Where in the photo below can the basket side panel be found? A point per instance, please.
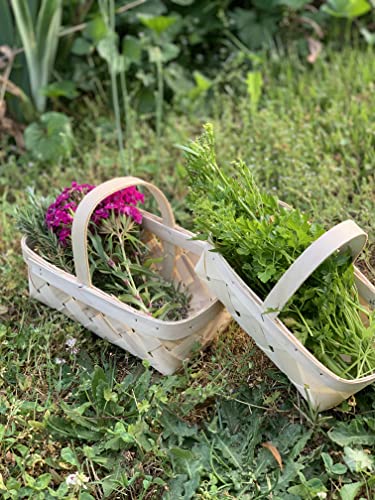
(314, 382)
(166, 356)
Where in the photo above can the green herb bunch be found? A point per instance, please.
(260, 239)
(120, 262)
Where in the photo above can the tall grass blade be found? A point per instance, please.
(40, 46)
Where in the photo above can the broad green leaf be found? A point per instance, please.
(328, 462)
(155, 55)
(96, 29)
(352, 433)
(109, 395)
(181, 453)
(84, 495)
(266, 275)
(132, 49)
(255, 32)
(158, 24)
(346, 8)
(43, 481)
(108, 50)
(350, 491)
(68, 455)
(358, 460)
(108, 486)
(169, 51)
(22, 449)
(177, 79)
(51, 138)
(12, 484)
(82, 47)
(202, 82)
(175, 427)
(339, 469)
(309, 489)
(64, 88)
(332, 468)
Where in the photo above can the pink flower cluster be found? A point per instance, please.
(59, 215)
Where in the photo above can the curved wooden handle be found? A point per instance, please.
(86, 208)
(344, 236)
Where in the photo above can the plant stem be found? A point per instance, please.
(128, 122)
(116, 108)
(159, 108)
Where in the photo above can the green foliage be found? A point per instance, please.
(261, 239)
(64, 88)
(311, 144)
(193, 37)
(51, 138)
(254, 87)
(347, 8)
(39, 43)
(358, 432)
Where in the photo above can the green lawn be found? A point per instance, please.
(215, 429)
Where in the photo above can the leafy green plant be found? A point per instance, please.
(260, 239)
(108, 49)
(39, 43)
(51, 138)
(311, 144)
(349, 9)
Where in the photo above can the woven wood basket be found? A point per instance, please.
(317, 384)
(165, 344)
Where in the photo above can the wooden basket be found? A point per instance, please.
(319, 385)
(165, 344)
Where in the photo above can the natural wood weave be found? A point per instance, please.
(316, 383)
(165, 344)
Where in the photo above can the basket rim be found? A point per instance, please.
(32, 255)
(289, 334)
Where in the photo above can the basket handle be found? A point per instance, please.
(344, 236)
(87, 206)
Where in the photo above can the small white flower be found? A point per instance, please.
(60, 361)
(321, 494)
(77, 479)
(71, 342)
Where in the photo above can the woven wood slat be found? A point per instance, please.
(316, 383)
(165, 344)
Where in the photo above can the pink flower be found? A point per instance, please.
(59, 215)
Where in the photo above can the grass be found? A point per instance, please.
(215, 429)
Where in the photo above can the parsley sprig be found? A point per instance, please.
(260, 239)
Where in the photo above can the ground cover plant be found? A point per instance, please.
(80, 418)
